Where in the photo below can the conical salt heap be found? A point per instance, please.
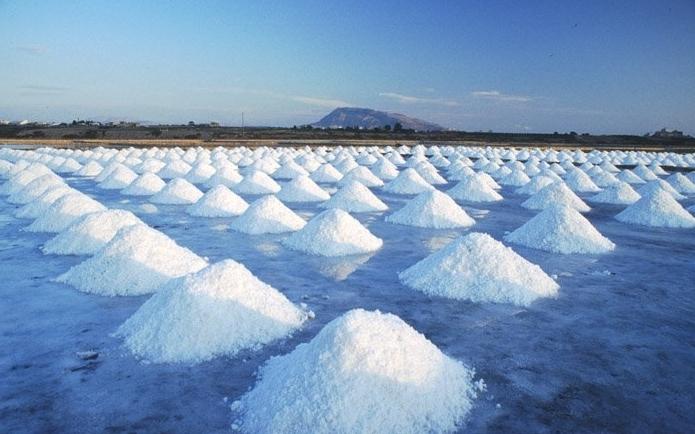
(64, 212)
(516, 178)
(474, 189)
(257, 182)
(363, 175)
(658, 209)
(119, 178)
(219, 310)
(36, 188)
(408, 181)
(267, 215)
(137, 260)
(20, 180)
(478, 268)
(659, 184)
(178, 191)
(432, 209)
(365, 372)
(146, 184)
(326, 173)
(580, 182)
(333, 232)
(90, 233)
(561, 229)
(226, 175)
(681, 183)
(535, 185)
(355, 197)
(629, 176)
(38, 206)
(90, 170)
(174, 169)
(219, 201)
(555, 193)
(618, 194)
(644, 172)
(302, 189)
(290, 170)
(384, 169)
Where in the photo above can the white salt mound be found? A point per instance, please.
(38, 206)
(219, 201)
(681, 183)
(618, 194)
(302, 189)
(659, 184)
(474, 188)
(64, 212)
(355, 197)
(535, 185)
(137, 260)
(333, 232)
(431, 209)
(364, 176)
(580, 182)
(90, 169)
(257, 182)
(220, 310)
(118, 179)
(267, 215)
(657, 209)
(553, 194)
(35, 188)
(561, 229)
(408, 181)
(478, 268)
(146, 184)
(365, 372)
(326, 173)
(177, 192)
(90, 233)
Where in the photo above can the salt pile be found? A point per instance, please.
(146, 184)
(174, 169)
(38, 206)
(333, 232)
(408, 181)
(118, 179)
(657, 209)
(220, 310)
(23, 178)
(90, 169)
(90, 233)
(535, 185)
(474, 189)
(36, 188)
(432, 209)
(618, 194)
(681, 183)
(629, 176)
(555, 193)
(267, 215)
(219, 201)
(355, 197)
(138, 260)
(64, 211)
(177, 192)
(478, 268)
(362, 175)
(302, 189)
(290, 170)
(580, 182)
(644, 172)
(561, 229)
(659, 184)
(516, 178)
(257, 182)
(326, 174)
(384, 169)
(226, 175)
(364, 372)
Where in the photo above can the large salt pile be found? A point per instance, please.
(561, 229)
(658, 209)
(333, 232)
(219, 201)
(580, 182)
(267, 215)
(119, 178)
(64, 212)
(36, 188)
(177, 192)
(326, 174)
(21, 179)
(226, 175)
(515, 178)
(364, 372)
(644, 172)
(478, 268)
(474, 188)
(90, 233)
(555, 193)
(432, 209)
(355, 197)
(408, 181)
(384, 169)
(220, 310)
(618, 194)
(38, 206)
(302, 189)
(681, 183)
(363, 175)
(146, 184)
(659, 184)
(535, 185)
(257, 182)
(136, 261)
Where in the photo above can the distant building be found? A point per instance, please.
(666, 133)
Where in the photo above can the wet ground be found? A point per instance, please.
(615, 352)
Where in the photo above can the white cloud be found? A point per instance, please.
(407, 99)
(499, 96)
(35, 50)
(321, 102)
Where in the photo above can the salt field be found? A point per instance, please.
(347, 289)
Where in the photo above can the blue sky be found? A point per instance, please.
(541, 66)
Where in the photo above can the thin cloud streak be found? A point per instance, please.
(496, 95)
(34, 50)
(408, 99)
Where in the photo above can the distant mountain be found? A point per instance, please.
(365, 118)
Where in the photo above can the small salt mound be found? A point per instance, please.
(384, 169)
(257, 182)
(138, 260)
(90, 169)
(681, 183)
(474, 189)
(64, 212)
(629, 176)
(659, 184)
(657, 209)
(267, 215)
(146, 184)
(355, 197)
(516, 178)
(535, 185)
(333, 232)
(220, 310)
(478, 268)
(174, 169)
(408, 181)
(36, 188)
(90, 233)
(23, 178)
(605, 179)
(644, 172)
(429, 173)
(290, 170)
(38, 206)
(227, 176)
(493, 184)
(219, 201)
(365, 372)
(561, 229)
(555, 193)
(326, 174)
(362, 175)
(431, 209)
(118, 179)
(200, 173)
(302, 189)
(177, 192)
(580, 182)
(618, 194)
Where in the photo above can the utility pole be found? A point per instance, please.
(242, 124)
